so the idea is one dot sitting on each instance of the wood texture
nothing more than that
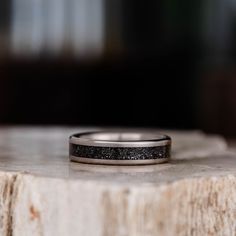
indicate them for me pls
(42, 193)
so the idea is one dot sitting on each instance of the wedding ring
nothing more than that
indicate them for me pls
(120, 148)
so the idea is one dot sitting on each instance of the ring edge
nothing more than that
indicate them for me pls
(118, 162)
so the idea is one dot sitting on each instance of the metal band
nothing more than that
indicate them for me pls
(124, 148)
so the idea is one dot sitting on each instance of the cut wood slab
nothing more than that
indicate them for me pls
(42, 193)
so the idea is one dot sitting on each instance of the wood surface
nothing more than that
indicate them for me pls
(42, 193)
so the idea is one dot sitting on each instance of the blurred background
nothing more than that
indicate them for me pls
(166, 63)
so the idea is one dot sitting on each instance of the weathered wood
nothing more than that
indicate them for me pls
(42, 193)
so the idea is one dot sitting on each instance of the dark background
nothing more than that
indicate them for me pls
(165, 64)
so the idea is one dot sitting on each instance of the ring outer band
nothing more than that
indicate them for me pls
(143, 151)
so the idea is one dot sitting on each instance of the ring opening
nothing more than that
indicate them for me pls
(121, 136)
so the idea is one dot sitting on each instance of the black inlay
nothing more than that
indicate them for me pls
(120, 153)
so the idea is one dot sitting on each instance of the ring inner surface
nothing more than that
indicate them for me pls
(122, 137)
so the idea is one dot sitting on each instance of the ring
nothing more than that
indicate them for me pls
(119, 148)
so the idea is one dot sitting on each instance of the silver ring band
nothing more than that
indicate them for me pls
(120, 148)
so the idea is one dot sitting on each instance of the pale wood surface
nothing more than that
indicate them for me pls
(42, 193)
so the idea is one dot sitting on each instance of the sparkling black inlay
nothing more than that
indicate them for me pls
(120, 153)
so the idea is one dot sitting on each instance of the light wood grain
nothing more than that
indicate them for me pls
(42, 193)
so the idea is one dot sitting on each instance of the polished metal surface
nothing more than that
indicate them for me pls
(120, 139)
(118, 162)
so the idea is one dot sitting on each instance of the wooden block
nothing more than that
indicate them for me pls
(42, 193)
